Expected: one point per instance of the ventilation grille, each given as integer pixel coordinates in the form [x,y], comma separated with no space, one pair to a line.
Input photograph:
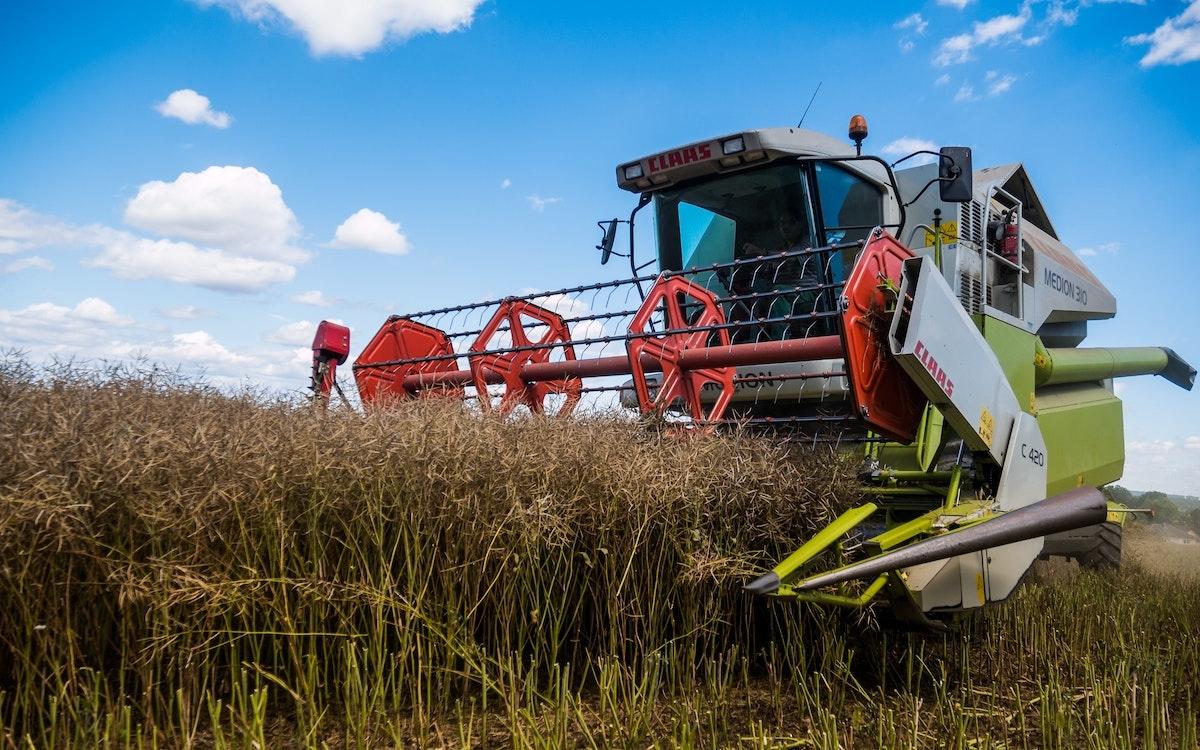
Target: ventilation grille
[970,292]
[970,222]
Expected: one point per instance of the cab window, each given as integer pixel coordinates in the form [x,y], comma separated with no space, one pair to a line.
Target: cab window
[850,206]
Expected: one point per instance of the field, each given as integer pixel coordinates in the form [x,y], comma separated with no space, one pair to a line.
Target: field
[185,568]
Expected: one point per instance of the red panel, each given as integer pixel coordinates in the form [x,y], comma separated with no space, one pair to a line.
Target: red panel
[884,396]
[333,340]
[671,294]
[507,365]
[403,339]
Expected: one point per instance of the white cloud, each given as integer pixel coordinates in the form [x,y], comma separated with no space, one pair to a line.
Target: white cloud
[965,93]
[538,203]
[193,108]
[999,84]
[22,229]
[955,49]
[1166,465]
[960,4]
[1061,14]
[58,328]
[371,230]
[93,331]
[97,310]
[313,297]
[299,333]
[130,257]
[1002,29]
[913,21]
[1107,248]
[906,145]
[237,209]
[564,305]
[195,347]
[505,184]
[335,27]
[1176,41]
[942,80]
[24,264]
[186,312]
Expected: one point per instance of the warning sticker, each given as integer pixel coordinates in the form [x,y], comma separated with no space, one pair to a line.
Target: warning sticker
[949,231]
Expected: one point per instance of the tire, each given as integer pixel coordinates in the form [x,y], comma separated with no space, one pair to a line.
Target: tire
[1106,555]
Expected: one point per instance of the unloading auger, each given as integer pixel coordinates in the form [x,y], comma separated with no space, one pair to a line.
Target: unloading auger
[784,301]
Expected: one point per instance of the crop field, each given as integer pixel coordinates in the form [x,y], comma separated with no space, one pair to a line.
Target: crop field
[187,568]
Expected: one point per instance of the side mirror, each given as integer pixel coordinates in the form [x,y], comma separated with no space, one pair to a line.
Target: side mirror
[956,180]
[606,242]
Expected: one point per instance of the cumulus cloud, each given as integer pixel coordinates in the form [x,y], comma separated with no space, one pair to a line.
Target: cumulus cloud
[93,331]
[960,4]
[942,80]
[313,297]
[371,230]
[58,328]
[914,21]
[194,108]
[334,27]
[1107,248]
[965,93]
[505,184]
[237,209]
[538,203]
[1165,464]
[998,84]
[24,264]
[130,257]
[1176,41]
[906,145]
[299,333]
[1002,29]
[22,229]
[161,207]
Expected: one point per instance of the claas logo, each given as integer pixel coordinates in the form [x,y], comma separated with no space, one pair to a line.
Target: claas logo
[685,155]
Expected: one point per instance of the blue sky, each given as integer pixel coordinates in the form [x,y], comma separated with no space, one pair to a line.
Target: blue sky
[481,138]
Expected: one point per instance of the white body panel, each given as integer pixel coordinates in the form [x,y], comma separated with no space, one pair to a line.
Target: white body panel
[945,355]
[1022,481]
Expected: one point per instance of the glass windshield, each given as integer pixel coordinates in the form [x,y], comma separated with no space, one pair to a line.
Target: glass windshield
[747,215]
[850,206]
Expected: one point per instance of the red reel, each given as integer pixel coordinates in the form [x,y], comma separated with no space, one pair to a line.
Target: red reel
[506,365]
[672,295]
[404,339]
[884,395]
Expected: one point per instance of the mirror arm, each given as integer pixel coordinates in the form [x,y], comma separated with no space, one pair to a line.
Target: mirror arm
[643,200]
[917,197]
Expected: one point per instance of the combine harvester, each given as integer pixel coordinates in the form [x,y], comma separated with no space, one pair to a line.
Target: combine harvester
[818,294]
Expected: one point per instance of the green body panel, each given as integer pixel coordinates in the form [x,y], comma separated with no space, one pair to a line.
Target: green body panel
[1015,349]
[1055,366]
[1085,436]
[921,453]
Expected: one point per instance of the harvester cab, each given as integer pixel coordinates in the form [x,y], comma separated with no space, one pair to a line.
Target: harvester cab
[814,293]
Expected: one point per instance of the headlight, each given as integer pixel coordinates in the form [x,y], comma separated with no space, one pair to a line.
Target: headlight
[733,146]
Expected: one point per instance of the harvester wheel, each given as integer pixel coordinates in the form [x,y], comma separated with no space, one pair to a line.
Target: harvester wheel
[1106,555]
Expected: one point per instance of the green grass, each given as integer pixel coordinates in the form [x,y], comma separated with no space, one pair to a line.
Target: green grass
[184,568]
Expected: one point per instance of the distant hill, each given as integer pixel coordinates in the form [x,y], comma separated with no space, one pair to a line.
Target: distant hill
[1180,501]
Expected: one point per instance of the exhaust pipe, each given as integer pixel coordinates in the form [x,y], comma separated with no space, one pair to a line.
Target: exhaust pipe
[1070,510]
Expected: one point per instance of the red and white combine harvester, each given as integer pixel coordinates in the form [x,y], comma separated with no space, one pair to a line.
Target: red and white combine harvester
[815,293]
